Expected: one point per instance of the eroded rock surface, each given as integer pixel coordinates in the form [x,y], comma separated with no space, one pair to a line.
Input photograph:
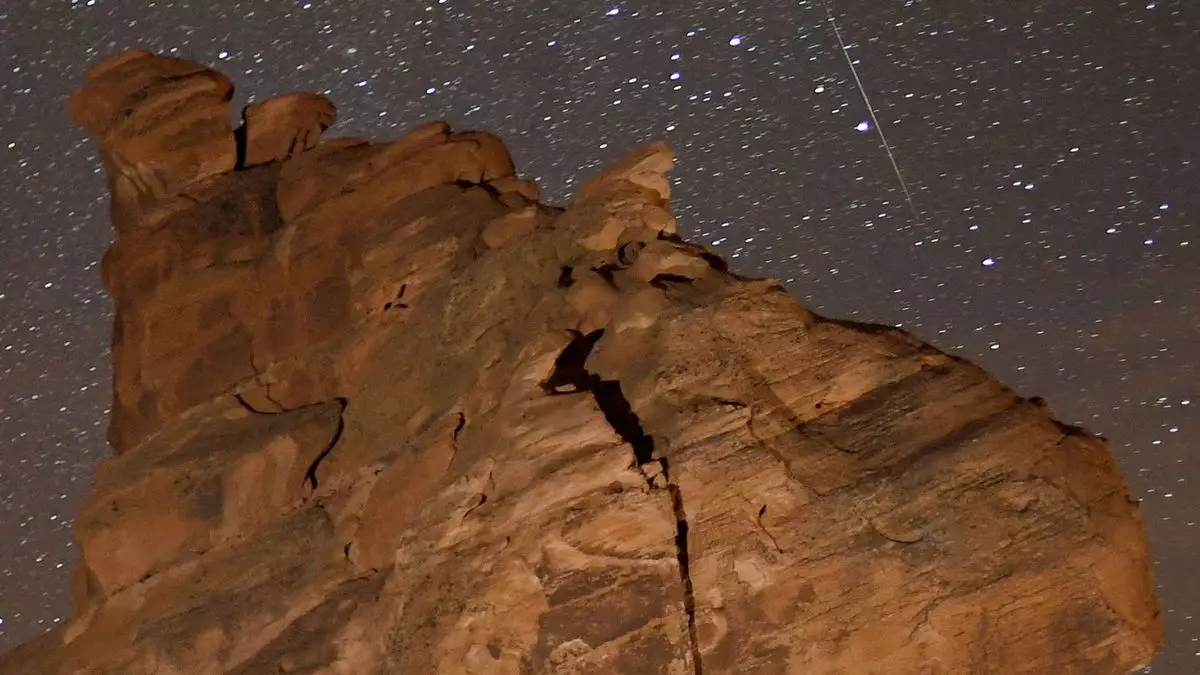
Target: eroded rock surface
[380,411]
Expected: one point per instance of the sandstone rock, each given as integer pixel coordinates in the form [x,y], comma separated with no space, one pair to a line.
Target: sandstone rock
[163,125]
[284,126]
[378,411]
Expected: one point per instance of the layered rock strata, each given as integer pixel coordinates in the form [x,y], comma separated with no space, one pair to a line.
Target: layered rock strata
[378,410]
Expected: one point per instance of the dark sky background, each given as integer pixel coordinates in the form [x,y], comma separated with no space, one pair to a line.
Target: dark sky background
[1049,148]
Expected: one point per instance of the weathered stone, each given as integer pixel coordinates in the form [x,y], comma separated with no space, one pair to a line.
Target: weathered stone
[163,125]
[284,126]
[379,411]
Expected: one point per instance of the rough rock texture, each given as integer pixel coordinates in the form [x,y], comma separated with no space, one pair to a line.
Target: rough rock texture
[380,411]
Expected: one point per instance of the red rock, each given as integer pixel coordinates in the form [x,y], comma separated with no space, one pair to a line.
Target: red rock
[163,125]
[286,125]
[378,410]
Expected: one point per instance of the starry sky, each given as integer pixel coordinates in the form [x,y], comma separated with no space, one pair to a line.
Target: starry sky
[1031,203]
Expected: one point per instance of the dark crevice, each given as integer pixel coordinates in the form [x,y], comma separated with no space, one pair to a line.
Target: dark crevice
[565,280]
[569,370]
[310,476]
[468,184]
[570,375]
[623,420]
[266,389]
[462,422]
[481,499]
[715,261]
[685,569]
[762,512]
[249,407]
[664,280]
[266,394]
[239,138]
[628,252]
[606,271]
[395,302]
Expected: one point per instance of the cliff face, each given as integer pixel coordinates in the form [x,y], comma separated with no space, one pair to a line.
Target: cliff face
[380,411]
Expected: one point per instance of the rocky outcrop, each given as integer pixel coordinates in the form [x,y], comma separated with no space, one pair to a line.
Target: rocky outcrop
[377,410]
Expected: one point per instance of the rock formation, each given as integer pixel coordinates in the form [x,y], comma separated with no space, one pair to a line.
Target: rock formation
[377,410]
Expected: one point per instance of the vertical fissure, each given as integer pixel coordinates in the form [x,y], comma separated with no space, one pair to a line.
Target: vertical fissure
[685,569]
[570,375]
[239,140]
[310,476]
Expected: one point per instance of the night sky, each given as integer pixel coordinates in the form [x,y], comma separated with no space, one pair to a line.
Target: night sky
[1034,209]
